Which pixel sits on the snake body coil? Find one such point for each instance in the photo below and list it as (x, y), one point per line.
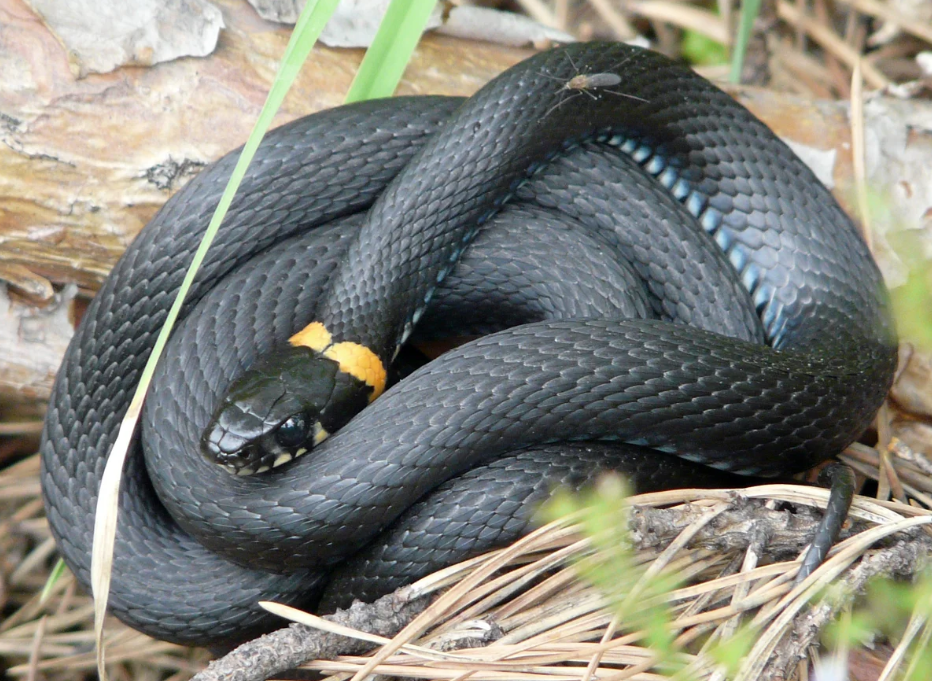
(561, 159)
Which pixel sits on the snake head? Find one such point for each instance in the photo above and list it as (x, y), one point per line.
(279, 409)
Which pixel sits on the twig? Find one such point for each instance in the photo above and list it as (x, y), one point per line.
(288, 648)
(732, 530)
(902, 559)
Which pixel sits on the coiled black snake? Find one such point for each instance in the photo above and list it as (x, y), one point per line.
(578, 160)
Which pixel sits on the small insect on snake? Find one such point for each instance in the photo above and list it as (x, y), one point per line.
(584, 83)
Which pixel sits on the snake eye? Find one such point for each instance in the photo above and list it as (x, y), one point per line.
(293, 431)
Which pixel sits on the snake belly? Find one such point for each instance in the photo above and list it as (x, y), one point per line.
(644, 168)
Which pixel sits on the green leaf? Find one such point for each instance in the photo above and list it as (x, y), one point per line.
(730, 652)
(54, 576)
(702, 50)
(912, 307)
(390, 51)
(850, 630)
(749, 11)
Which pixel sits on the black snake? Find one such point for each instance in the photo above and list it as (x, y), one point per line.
(596, 166)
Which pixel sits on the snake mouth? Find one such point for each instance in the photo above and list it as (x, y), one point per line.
(252, 462)
(245, 458)
(244, 466)
(268, 454)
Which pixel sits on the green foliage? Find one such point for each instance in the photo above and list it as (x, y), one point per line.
(921, 661)
(912, 307)
(889, 609)
(636, 596)
(749, 11)
(851, 629)
(379, 74)
(57, 571)
(310, 23)
(394, 43)
(702, 50)
(912, 301)
(730, 652)
(889, 604)
(387, 57)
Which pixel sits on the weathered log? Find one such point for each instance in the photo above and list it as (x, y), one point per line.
(86, 162)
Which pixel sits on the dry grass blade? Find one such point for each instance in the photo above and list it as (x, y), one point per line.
(858, 151)
(20, 481)
(889, 12)
(684, 16)
(10, 428)
(34, 652)
(538, 10)
(309, 25)
(917, 624)
(921, 645)
(831, 42)
(105, 522)
(615, 19)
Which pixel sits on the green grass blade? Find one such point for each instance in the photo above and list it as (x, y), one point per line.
(387, 57)
(57, 571)
(308, 28)
(749, 11)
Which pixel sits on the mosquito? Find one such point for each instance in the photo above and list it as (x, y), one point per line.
(584, 83)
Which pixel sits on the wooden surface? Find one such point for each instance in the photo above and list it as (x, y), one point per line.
(85, 163)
